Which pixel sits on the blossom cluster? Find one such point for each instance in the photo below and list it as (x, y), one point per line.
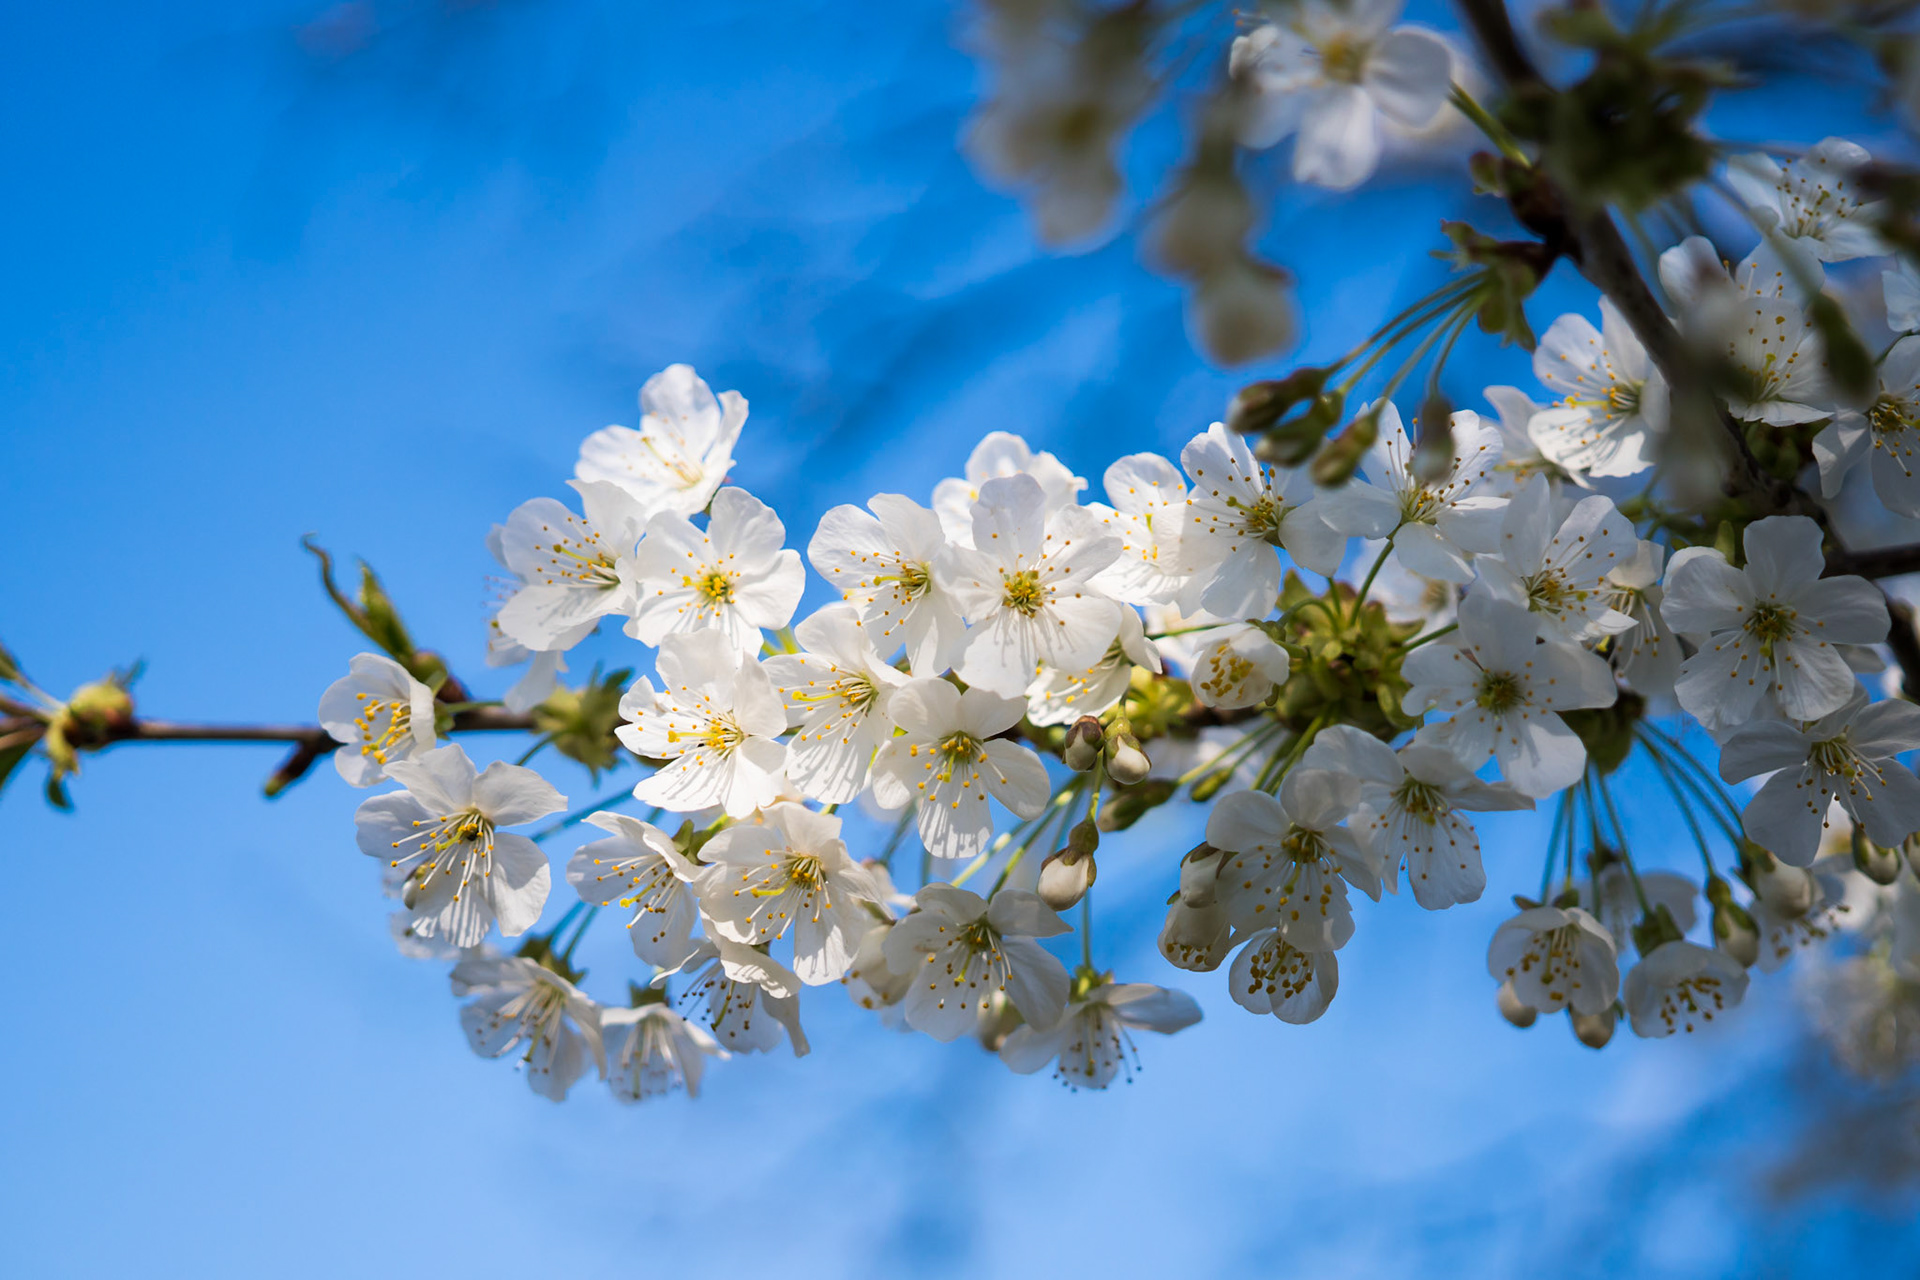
(1019, 666)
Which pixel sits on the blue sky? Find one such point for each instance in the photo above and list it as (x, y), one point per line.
(269, 275)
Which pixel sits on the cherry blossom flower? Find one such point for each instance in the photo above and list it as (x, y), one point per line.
(639, 867)
(1613, 401)
(1505, 684)
(1787, 927)
(1434, 526)
(382, 715)
(750, 997)
(520, 1002)
(573, 570)
(883, 566)
(1846, 757)
(1238, 510)
(949, 760)
(836, 694)
(652, 1050)
(1027, 589)
(1089, 1045)
(962, 951)
(1334, 74)
(1900, 285)
(441, 840)
(789, 871)
(1292, 860)
(1756, 321)
(733, 577)
(1556, 958)
(1614, 900)
(1197, 937)
(1680, 986)
(542, 676)
(1149, 497)
(1406, 596)
(1409, 809)
(1060, 697)
(1887, 432)
(1237, 665)
(716, 719)
(1271, 975)
(682, 450)
(1559, 564)
(1648, 657)
(1771, 631)
(1813, 200)
(998, 456)
(1520, 455)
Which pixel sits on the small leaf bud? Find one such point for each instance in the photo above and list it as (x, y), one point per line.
(1085, 738)
(1065, 878)
(1127, 764)
(1593, 1029)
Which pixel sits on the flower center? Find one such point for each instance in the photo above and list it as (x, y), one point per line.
(715, 587)
(581, 564)
(383, 744)
(1261, 518)
(1695, 997)
(1837, 758)
(1304, 846)
(1343, 59)
(1548, 592)
(913, 579)
(1022, 592)
(1890, 415)
(1499, 692)
(1421, 800)
(1769, 624)
(956, 750)
(442, 845)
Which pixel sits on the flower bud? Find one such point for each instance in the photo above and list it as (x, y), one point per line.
(1512, 1009)
(1084, 740)
(1878, 864)
(1258, 406)
(1593, 1029)
(1199, 874)
(1433, 453)
(1788, 890)
(1656, 929)
(1065, 878)
(1126, 762)
(1734, 931)
(1127, 807)
(998, 1019)
(1338, 461)
(1208, 786)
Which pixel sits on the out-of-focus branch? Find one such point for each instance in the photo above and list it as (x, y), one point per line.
(1879, 562)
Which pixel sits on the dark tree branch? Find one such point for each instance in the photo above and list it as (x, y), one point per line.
(1878, 562)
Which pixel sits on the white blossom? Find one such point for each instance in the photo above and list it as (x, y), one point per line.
(1556, 958)
(962, 951)
(789, 871)
(1900, 285)
(1237, 665)
(1335, 75)
(1292, 860)
(750, 997)
(457, 872)
(1886, 435)
(682, 450)
(1559, 563)
(883, 566)
(733, 577)
(1506, 684)
(948, 759)
(1613, 897)
(1771, 631)
(573, 570)
(715, 719)
(1149, 497)
(836, 692)
(1679, 986)
(1812, 200)
(542, 676)
(639, 867)
(1089, 1045)
(380, 713)
(1756, 322)
(1409, 808)
(998, 456)
(651, 1051)
(1520, 455)
(1786, 929)
(1271, 975)
(518, 1002)
(1026, 586)
(1238, 510)
(1613, 401)
(1648, 657)
(1846, 757)
(1060, 697)
(1434, 525)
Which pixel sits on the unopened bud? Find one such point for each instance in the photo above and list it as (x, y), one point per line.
(1656, 929)
(1338, 461)
(1127, 764)
(1257, 406)
(1513, 1009)
(1127, 807)
(1878, 864)
(1065, 878)
(1085, 738)
(1433, 455)
(1207, 787)
(1200, 874)
(1788, 890)
(1593, 1029)
(997, 1020)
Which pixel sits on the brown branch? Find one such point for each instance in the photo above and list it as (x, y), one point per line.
(1904, 640)
(1877, 562)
